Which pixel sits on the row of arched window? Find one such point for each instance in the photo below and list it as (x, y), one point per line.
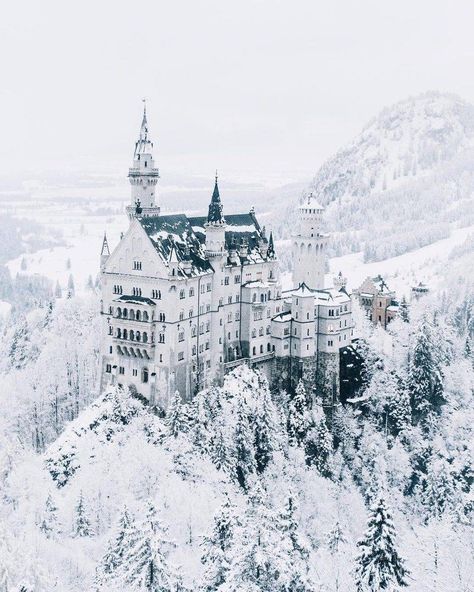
(134, 352)
(261, 349)
(260, 332)
(133, 335)
(263, 297)
(131, 314)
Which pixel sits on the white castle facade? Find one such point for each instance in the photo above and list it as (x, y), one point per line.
(186, 299)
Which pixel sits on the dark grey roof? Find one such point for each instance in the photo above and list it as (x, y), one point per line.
(135, 300)
(175, 230)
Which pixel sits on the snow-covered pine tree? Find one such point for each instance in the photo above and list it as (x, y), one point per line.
(49, 524)
(403, 310)
(318, 447)
(118, 549)
(220, 448)
(335, 538)
(82, 525)
(18, 353)
(70, 286)
(244, 450)
(298, 555)
(378, 565)
(217, 547)
(298, 416)
(175, 416)
(147, 566)
(425, 376)
(265, 425)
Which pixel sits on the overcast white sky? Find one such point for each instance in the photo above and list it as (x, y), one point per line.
(252, 87)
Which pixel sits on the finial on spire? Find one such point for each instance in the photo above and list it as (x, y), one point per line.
(215, 207)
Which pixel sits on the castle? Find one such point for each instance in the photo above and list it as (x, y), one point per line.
(187, 298)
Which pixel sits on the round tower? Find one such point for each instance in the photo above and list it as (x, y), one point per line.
(309, 246)
(215, 226)
(143, 175)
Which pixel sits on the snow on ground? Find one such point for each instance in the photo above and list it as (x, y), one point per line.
(5, 308)
(426, 265)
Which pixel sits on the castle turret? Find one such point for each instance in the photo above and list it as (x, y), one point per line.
(215, 226)
(143, 175)
(104, 253)
(309, 246)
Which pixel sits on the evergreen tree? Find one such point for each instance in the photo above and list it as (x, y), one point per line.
(217, 548)
(220, 449)
(298, 416)
(243, 447)
(403, 310)
(90, 284)
(175, 416)
(57, 291)
(399, 410)
(264, 430)
(70, 286)
(426, 379)
(49, 524)
(335, 538)
(378, 564)
(118, 550)
(18, 353)
(82, 525)
(318, 447)
(147, 566)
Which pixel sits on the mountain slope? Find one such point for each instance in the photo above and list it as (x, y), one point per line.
(404, 182)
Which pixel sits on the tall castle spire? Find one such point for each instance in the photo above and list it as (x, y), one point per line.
(143, 175)
(214, 215)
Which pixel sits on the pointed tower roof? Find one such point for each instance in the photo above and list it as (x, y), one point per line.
(214, 215)
(144, 145)
(105, 246)
(271, 247)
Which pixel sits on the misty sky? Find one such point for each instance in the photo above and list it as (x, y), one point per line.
(257, 88)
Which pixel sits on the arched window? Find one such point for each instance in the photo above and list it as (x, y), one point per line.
(254, 351)
(261, 349)
(137, 315)
(260, 331)
(125, 313)
(125, 334)
(145, 337)
(119, 312)
(132, 315)
(132, 335)
(262, 298)
(119, 333)
(229, 354)
(269, 347)
(145, 315)
(254, 333)
(269, 295)
(254, 298)
(145, 375)
(137, 336)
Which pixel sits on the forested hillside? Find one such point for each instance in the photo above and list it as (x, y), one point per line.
(242, 489)
(404, 182)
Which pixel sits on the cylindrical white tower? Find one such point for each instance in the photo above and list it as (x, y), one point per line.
(309, 246)
(143, 176)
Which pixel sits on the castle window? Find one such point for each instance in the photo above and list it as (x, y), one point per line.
(237, 279)
(237, 316)
(307, 316)
(121, 370)
(132, 335)
(226, 280)
(207, 327)
(260, 331)
(137, 265)
(229, 300)
(111, 349)
(181, 315)
(119, 333)
(202, 289)
(208, 287)
(145, 375)
(111, 330)
(182, 294)
(108, 368)
(161, 338)
(193, 331)
(268, 330)
(137, 336)
(190, 313)
(125, 313)
(119, 312)
(330, 343)
(134, 372)
(296, 315)
(261, 349)
(229, 318)
(307, 332)
(180, 356)
(161, 357)
(208, 307)
(207, 344)
(237, 298)
(201, 328)
(254, 351)
(270, 275)
(181, 336)
(307, 347)
(156, 294)
(145, 315)
(254, 298)
(191, 292)
(132, 315)
(262, 297)
(145, 337)
(162, 317)
(194, 350)
(269, 347)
